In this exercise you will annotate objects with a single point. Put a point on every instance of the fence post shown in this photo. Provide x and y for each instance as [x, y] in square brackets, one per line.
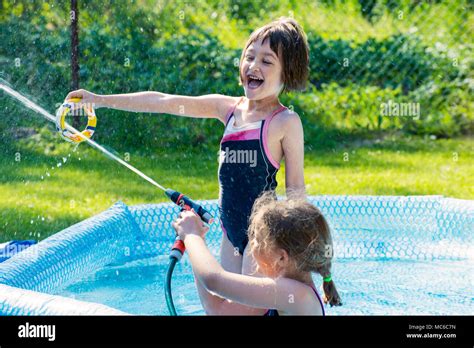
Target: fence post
[75, 53]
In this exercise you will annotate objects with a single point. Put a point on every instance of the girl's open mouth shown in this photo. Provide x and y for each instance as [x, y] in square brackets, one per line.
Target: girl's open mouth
[254, 82]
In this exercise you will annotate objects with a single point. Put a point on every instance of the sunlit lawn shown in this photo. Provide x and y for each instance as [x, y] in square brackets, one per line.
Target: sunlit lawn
[35, 205]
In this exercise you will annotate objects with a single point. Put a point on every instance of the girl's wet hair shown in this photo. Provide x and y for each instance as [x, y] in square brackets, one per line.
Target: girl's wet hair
[297, 227]
[288, 41]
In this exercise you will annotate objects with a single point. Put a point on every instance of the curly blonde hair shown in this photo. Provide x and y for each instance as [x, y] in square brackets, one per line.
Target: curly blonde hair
[297, 227]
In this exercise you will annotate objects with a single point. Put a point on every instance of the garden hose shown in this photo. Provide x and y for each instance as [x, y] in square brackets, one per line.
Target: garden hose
[175, 255]
[178, 248]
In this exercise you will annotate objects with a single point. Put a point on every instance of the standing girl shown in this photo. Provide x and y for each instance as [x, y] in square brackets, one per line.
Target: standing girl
[259, 131]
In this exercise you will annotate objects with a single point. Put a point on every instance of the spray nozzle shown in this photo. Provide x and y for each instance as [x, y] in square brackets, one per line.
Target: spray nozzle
[187, 204]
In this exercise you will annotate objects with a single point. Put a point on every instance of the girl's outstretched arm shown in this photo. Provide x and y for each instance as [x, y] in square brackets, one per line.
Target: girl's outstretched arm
[205, 106]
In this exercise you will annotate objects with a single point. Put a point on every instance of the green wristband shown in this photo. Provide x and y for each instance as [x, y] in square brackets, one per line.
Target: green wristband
[327, 279]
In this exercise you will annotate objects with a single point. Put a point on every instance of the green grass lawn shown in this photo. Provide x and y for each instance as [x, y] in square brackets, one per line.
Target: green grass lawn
[35, 205]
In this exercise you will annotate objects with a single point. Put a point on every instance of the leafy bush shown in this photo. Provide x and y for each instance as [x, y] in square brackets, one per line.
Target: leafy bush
[183, 64]
[401, 60]
[445, 109]
[139, 46]
[349, 108]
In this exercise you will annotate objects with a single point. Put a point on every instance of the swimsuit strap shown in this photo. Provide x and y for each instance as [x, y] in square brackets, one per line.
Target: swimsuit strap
[274, 312]
[270, 117]
[231, 111]
[319, 299]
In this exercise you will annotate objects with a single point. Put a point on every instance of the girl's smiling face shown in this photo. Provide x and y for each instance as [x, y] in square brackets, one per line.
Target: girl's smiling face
[261, 71]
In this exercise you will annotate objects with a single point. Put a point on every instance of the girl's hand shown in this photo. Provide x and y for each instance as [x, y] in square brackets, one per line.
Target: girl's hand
[188, 222]
[85, 96]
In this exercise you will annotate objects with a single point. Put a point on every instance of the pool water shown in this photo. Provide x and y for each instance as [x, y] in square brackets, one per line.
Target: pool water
[375, 287]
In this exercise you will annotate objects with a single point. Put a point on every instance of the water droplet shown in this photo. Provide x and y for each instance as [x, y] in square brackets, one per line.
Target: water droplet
[47, 174]
[65, 159]
[31, 222]
[79, 158]
[42, 177]
[42, 218]
[59, 164]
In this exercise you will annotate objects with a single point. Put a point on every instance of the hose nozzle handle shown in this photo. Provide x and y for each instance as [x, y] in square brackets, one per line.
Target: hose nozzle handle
[187, 204]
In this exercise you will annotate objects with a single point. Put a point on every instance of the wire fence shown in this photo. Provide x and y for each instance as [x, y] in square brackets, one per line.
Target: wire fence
[374, 64]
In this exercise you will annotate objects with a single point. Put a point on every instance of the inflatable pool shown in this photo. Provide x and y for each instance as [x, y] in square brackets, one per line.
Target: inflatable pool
[393, 255]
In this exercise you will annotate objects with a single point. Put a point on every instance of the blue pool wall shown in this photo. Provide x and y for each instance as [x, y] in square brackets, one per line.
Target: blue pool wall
[363, 227]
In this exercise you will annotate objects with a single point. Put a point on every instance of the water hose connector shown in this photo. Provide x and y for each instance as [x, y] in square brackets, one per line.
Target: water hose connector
[64, 110]
[176, 253]
[177, 250]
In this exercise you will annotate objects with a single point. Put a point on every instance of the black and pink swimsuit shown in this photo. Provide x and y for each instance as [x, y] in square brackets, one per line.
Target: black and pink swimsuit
[246, 169]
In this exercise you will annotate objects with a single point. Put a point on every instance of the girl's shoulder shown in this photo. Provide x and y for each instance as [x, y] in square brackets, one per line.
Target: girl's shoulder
[286, 122]
[227, 105]
[306, 299]
[287, 116]
[233, 101]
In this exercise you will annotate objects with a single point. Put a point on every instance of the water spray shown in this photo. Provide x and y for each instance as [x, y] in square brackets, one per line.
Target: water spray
[71, 134]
